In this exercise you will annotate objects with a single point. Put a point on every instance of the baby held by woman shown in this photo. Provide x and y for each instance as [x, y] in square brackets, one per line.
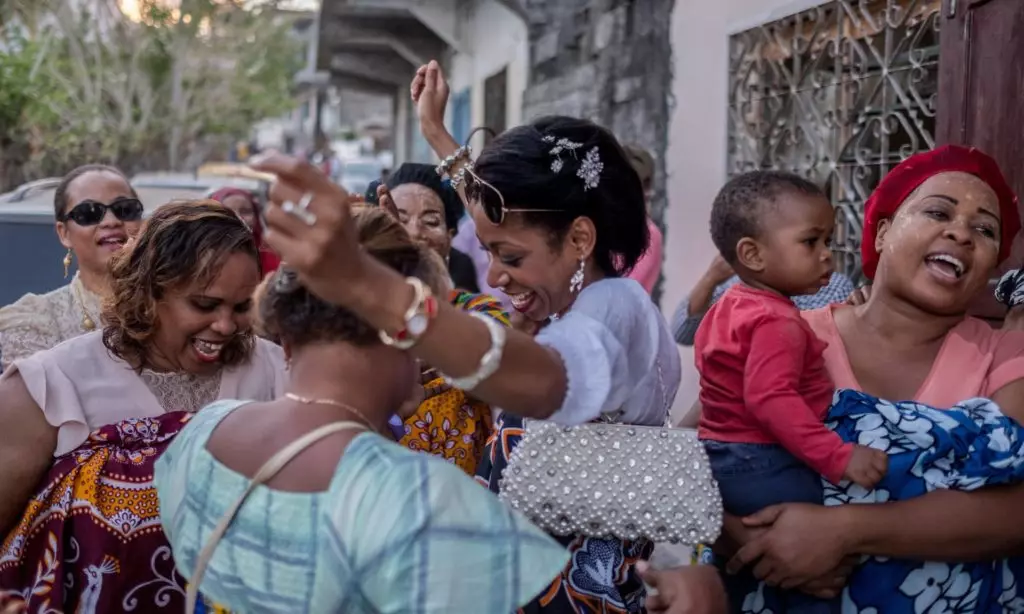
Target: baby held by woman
[764, 388]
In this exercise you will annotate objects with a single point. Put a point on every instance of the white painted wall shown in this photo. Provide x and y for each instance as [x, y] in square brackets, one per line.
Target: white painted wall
[696, 158]
[494, 38]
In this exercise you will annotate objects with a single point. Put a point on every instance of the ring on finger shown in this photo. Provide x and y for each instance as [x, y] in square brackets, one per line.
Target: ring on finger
[301, 210]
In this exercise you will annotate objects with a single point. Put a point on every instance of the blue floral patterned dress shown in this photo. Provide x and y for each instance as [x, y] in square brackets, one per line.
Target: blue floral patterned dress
[971, 446]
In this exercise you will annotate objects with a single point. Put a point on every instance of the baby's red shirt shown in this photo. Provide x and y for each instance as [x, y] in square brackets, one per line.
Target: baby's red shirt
[763, 379]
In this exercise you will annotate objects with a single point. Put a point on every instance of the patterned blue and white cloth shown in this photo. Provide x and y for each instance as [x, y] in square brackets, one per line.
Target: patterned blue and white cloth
[1010, 289]
[970, 446]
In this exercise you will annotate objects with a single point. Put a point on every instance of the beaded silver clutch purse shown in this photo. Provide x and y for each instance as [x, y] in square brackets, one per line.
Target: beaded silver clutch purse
[612, 480]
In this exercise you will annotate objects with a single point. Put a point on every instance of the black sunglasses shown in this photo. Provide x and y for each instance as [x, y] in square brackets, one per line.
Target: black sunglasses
[91, 212]
[495, 211]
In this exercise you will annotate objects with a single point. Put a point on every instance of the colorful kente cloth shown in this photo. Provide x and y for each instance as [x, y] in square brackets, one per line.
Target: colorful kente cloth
[449, 423]
[91, 540]
[600, 577]
[971, 446]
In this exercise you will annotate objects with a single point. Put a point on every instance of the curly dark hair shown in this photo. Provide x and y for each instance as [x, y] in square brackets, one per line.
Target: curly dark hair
[60, 195]
[745, 199]
[288, 312]
[183, 243]
[519, 164]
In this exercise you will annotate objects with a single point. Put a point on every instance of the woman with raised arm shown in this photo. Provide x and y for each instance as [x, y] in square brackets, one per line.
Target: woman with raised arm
[562, 213]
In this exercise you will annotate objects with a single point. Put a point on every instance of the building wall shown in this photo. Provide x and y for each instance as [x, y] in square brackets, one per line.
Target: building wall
[696, 154]
[494, 38]
[610, 61]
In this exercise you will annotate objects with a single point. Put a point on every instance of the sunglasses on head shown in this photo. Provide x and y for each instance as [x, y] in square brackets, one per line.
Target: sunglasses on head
[495, 211]
[91, 212]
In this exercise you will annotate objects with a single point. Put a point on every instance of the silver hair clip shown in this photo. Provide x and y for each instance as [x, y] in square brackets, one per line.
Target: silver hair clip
[591, 167]
[560, 146]
[287, 281]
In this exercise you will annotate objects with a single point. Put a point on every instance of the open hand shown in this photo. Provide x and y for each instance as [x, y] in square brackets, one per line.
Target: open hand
[800, 541]
[322, 249]
[684, 590]
[430, 95]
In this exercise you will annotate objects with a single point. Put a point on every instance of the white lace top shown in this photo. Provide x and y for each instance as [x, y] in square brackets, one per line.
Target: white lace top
[80, 386]
[182, 391]
[39, 322]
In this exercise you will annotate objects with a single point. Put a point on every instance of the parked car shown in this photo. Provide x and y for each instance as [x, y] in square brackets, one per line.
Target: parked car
[356, 175]
[29, 250]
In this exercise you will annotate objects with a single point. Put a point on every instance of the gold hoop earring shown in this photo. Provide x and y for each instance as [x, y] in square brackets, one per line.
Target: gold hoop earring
[67, 263]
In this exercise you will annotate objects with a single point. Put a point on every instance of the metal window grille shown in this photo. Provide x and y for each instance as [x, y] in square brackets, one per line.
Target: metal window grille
[840, 94]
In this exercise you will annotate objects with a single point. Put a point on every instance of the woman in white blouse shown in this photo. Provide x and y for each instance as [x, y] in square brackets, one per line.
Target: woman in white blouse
[561, 212]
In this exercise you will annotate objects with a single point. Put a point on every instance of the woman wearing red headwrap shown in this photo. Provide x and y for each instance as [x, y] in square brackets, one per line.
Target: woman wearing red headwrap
[244, 203]
[935, 230]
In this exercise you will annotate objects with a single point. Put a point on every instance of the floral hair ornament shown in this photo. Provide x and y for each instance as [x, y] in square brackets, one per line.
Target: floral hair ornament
[589, 170]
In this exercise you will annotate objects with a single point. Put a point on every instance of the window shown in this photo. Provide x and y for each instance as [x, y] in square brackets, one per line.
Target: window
[496, 102]
[461, 116]
[840, 94]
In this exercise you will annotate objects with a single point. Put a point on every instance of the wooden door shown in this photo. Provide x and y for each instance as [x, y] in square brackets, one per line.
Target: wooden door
[981, 95]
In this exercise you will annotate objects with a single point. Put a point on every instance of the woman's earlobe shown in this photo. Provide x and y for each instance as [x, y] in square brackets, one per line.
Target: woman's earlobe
[880, 232]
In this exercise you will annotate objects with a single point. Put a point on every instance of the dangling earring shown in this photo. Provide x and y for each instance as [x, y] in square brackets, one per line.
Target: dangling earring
[67, 263]
[576, 281]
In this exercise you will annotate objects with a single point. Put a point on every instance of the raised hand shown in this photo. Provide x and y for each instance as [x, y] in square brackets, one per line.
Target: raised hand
[430, 92]
[385, 201]
[309, 223]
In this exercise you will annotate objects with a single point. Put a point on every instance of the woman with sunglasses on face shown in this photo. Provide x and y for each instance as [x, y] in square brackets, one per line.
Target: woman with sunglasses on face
[562, 213]
[81, 424]
[96, 212]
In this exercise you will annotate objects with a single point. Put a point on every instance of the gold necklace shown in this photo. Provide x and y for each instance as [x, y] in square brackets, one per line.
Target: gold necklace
[333, 403]
[87, 321]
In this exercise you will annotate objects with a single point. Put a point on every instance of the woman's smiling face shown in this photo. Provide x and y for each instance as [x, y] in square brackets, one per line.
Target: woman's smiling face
[942, 245]
[94, 245]
[195, 321]
[529, 264]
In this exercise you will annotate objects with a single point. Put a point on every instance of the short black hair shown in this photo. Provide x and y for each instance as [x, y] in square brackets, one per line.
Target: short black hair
[426, 176]
[60, 196]
[740, 205]
[289, 312]
[521, 165]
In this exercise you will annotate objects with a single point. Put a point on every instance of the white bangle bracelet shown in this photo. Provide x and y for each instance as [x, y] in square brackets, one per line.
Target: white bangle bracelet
[489, 362]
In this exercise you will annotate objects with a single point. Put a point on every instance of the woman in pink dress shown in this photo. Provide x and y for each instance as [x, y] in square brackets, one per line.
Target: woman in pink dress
[84, 422]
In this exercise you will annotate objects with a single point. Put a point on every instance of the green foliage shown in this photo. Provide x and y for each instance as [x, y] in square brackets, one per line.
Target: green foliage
[94, 86]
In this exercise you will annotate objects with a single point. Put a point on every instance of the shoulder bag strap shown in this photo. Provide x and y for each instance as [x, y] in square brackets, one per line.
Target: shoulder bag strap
[266, 472]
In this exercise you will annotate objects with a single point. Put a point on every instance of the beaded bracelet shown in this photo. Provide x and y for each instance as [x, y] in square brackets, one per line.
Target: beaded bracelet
[460, 175]
[446, 165]
[489, 362]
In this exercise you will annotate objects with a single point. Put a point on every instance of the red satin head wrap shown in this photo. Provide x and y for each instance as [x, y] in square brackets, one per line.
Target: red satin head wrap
[915, 170]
